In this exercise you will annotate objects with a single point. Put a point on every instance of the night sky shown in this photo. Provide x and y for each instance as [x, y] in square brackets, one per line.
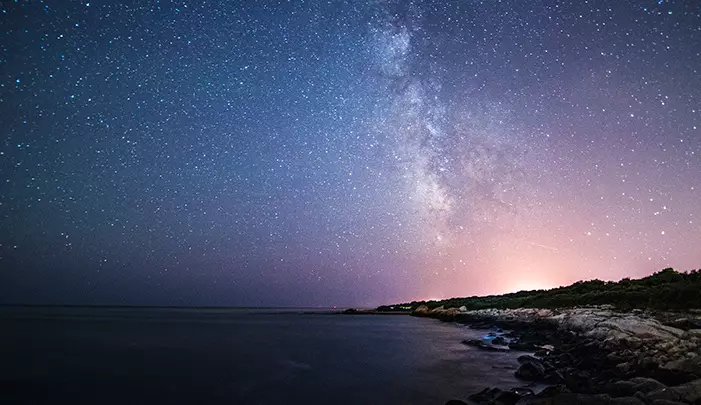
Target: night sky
[343, 152]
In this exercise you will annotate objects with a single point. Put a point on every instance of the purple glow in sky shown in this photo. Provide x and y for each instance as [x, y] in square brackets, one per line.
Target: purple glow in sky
[344, 153]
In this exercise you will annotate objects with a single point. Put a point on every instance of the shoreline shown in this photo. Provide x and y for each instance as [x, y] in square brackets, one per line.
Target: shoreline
[597, 355]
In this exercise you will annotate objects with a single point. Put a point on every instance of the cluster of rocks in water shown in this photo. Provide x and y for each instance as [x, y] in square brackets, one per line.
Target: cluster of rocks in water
[591, 356]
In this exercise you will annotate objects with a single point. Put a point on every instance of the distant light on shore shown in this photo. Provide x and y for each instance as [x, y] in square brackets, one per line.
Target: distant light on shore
[530, 285]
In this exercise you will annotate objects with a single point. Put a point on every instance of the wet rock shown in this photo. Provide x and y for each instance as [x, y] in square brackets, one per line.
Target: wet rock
[485, 396]
[481, 345]
[472, 342]
[528, 359]
[512, 396]
[553, 390]
[530, 371]
[499, 341]
[506, 398]
[522, 391]
[522, 346]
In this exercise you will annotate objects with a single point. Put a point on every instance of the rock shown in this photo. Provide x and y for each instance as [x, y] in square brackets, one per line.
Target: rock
[684, 323]
[421, 310]
[512, 396]
[456, 402]
[621, 389]
[530, 371]
[642, 397]
[646, 385]
[691, 364]
[626, 401]
[580, 399]
[666, 394]
[578, 380]
[553, 390]
[481, 345]
[472, 342]
[522, 346]
[499, 341]
[522, 391]
[614, 359]
[485, 396]
[623, 368]
[553, 377]
[666, 402]
[533, 400]
[541, 353]
[528, 359]
[506, 398]
[689, 392]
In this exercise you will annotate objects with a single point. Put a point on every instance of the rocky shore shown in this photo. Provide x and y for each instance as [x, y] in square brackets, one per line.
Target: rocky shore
[590, 356]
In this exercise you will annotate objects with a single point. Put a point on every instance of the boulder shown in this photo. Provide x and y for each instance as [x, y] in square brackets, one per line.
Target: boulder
[485, 396]
[626, 401]
[530, 371]
[506, 398]
[684, 323]
[689, 392]
[528, 359]
[578, 380]
[522, 346]
[499, 341]
[421, 310]
[481, 345]
[666, 394]
[646, 385]
[620, 389]
[512, 396]
[472, 342]
[522, 391]
[551, 391]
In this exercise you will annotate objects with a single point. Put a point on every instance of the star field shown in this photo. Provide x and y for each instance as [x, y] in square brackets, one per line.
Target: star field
[343, 153]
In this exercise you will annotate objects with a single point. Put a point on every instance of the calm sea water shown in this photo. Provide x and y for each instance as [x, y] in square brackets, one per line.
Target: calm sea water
[238, 356]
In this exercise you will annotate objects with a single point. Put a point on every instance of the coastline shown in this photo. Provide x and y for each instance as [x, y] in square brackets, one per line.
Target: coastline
[590, 355]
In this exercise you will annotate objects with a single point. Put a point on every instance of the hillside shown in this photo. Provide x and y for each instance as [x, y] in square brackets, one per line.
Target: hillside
[664, 290]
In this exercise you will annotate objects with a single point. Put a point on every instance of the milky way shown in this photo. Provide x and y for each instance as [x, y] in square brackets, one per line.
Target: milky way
[346, 153]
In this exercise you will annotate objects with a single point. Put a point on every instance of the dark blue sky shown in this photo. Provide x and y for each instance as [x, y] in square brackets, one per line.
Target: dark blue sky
[343, 153]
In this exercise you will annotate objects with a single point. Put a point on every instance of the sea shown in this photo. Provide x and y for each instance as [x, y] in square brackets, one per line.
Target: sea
[118, 355]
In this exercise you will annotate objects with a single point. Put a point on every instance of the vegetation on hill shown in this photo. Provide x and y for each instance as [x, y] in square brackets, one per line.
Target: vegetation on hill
[666, 289]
